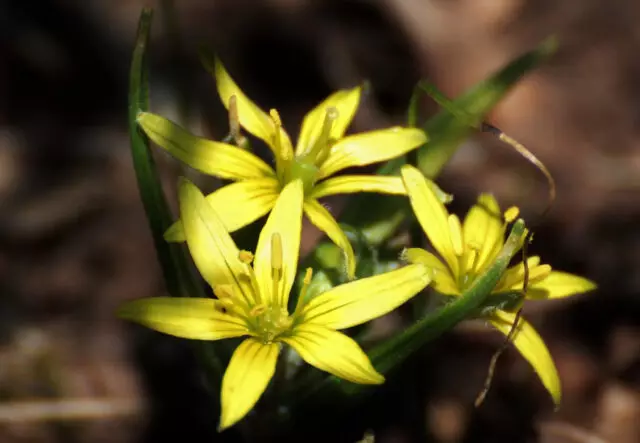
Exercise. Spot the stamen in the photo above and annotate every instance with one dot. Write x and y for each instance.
(456, 234)
(511, 214)
(539, 273)
(308, 275)
(234, 123)
(472, 258)
(318, 152)
(257, 310)
(232, 304)
(281, 154)
(276, 266)
(223, 291)
(245, 257)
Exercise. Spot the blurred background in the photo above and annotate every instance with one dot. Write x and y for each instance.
(74, 242)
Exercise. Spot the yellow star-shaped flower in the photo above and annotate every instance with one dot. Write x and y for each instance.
(252, 298)
(322, 151)
(468, 249)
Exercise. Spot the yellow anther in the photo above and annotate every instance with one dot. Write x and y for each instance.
(539, 273)
(276, 253)
(511, 214)
(245, 257)
(472, 257)
(257, 310)
(223, 291)
(455, 231)
(308, 275)
(275, 117)
(318, 152)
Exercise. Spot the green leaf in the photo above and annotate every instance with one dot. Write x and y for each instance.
(179, 276)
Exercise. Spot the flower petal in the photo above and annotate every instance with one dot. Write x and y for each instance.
(252, 366)
(443, 281)
(213, 250)
(238, 204)
(371, 147)
(431, 214)
(213, 158)
(345, 102)
(251, 117)
(192, 318)
(349, 184)
(362, 300)
(483, 230)
(533, 349)
(323, 220)
(560, 284)
(333, 352)
(286, 221)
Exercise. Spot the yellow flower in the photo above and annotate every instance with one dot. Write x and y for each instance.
(322, 151)
(252, 300)
(468, 249)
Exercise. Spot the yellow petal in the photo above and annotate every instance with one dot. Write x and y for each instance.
(285, 220)
(483, 230)
(560, 284)
(349, 184)
(212, 248)
(237, 205)
(251, 117)
(252, 366)
(333, 352)
(213, 158)
(362, 300)
(345, 102)
(513, 278)
(371, 147)
(533, 349)
(192, 318)
(324, 221)
(442, 280)
(431, 214)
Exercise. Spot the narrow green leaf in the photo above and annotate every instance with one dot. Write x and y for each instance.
(179, 277)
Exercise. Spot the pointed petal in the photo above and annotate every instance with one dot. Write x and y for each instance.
(560, 284)
(443, 281)
(533, 349)
(345, 102)
(323, 220)
(371, 147)
(238, 205)
(213, 250)
(349, 184)
(483, 229)
(333, 352)
(252, 366)
(213, 158)
(251, 117)
(192, 318)
(362, 300)
(431, 214)
(286, 220)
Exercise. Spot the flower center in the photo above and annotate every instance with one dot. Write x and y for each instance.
(270, 322)
(306, 165)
